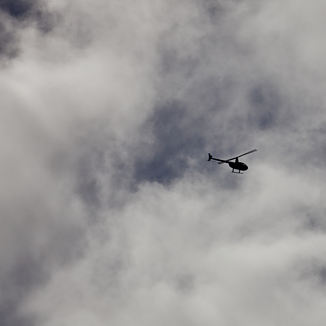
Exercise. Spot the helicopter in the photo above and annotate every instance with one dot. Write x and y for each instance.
(240, 166)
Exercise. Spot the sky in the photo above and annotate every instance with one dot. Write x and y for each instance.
(110, 212)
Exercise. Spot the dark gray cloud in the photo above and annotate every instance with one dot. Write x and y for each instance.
(26, 275)
(27, 10)
(266, 105)
(8, 42)
(18, 9)
(18, 15)
(87, 183)
(177, 138)
(9, 316)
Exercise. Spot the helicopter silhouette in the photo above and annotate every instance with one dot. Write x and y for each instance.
(236, 165)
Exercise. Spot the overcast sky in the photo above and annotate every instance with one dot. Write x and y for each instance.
(110, 212)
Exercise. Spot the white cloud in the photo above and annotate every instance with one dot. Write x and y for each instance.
(185, 255)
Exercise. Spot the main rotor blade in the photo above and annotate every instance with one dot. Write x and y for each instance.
(230, 159)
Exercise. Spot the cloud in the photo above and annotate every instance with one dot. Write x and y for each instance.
(18, 8)
(182, 255)
(15, 16)
(110, 212)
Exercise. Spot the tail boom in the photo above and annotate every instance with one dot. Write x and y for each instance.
(211, 158)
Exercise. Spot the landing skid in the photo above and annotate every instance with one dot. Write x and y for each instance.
(237, 172)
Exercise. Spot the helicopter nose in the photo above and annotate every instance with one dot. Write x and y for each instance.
(245, 167)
